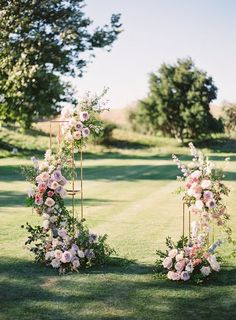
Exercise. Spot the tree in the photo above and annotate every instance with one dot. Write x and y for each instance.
(39, 42)
(229, 117)
(178, 102)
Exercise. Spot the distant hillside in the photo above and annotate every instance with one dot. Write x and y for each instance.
(117, 116)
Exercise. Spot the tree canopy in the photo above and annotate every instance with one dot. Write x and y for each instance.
(39, 42)
(178, 102)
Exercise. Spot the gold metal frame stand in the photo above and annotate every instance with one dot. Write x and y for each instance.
(73, 191)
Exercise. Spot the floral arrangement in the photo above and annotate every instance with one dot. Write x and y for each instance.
(204, 191)
(188, 262)
(61, 241)
(194, 258)
(79, 122)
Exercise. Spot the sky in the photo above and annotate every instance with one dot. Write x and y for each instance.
(157, 31)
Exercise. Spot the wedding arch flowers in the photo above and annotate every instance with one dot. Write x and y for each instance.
(81, 121)
(195, 258)
(62, 241)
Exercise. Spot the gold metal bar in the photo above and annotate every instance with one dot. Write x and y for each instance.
(50, 143)
(81, 185)
(189, 223)
(73, 183)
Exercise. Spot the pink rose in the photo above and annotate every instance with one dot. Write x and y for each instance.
(176, 276)
(38, 200)
(50, 193)
(42, 187)
(54, 185)
(170, 275)
(62, 233)
(199, 204)
(49, 202)
(58, 254)
(167, 263)
(44, 176)
(179, 266)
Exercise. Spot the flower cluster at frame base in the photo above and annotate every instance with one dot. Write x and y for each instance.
(61, 241)
(184, 261)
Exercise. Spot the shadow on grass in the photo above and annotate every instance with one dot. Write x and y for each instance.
(131, 292)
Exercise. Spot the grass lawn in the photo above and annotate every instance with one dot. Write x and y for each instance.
(128, 196)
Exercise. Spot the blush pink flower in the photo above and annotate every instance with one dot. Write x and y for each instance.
(42, 187)
(179, 266)
(167, 263)
(50, 193)
(77, 135)
(206, 183)
(38, 200)
(44, 176)
(176, 276)
(207, 195)
(172, 253)
(49, 202)
(58, 254)
(54, 185)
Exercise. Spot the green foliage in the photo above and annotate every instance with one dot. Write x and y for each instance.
(39, 42)
(105, 136)
(229, 117)
(178, 103)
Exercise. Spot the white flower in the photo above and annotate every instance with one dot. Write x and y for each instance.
(53, 219)
(214, 263)
(196, 174)
(31, 192)
(48, 255)
(206, 184)
(46, 224)
(179, 257)
(55, 263)
(43, 166)
(189, 267)
(46, 216)
(199, 204)
(205, 271)
(80, 254)
(75, 263)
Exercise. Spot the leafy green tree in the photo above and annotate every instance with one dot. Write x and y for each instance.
(178, 102)
(229, 117)
(39, 42)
